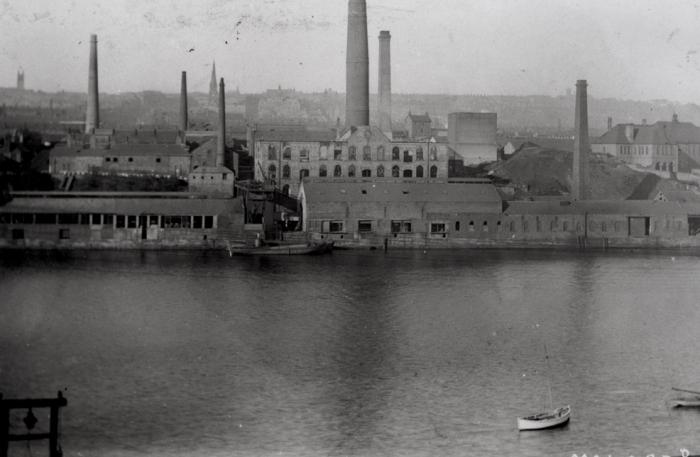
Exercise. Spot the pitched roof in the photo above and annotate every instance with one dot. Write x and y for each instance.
(170, 150)
(661, 132)
(419, 117)
(294, 134)
(118, 203)
(328, 191)
(616, 207)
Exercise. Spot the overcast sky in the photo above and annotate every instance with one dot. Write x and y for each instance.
(632, 49)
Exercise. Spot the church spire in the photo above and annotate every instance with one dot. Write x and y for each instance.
(213, 86)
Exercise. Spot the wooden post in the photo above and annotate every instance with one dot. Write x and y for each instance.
(4, 428)
(53, 428)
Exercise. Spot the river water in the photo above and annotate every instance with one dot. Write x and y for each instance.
(354, 353)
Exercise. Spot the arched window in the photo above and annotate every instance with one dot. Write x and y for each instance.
(433, 171)
(366, 173)
(286, 171)
(419, 171)
(408, 173)
(395, 171)
(303, 173)
(380, 153)
(285, 189)
(271, 152)
(351, 171)
(272, 172)
(419, 154)
(433, 153)
(322, 171)
(396, 153)
(287, 153)
(380, 171)
(338, 171)
(366, 153)
(352, 153)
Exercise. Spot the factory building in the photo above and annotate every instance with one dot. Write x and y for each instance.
(123, 220)
(286, 157)
(470, 213)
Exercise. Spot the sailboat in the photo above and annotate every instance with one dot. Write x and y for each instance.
(552, 418)
(693, 401)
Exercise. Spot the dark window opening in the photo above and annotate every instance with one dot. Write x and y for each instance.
(68, 218)
(157, 159)
(121, 221)
(208, 222)
(107, 219)
(457, 226)
(17, 234)
(45, 218)
(364, 226)
(438, 227)
(400, 226)
(198, 222)
(408, 173)
(64, 234)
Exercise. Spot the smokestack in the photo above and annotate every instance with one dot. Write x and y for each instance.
(92, 118)
(385, 82)
(610, 123)
(221, 143)
(357, 68)
(183, 104)
(581, 143)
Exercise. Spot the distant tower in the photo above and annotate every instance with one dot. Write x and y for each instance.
(92, 118)
(581, 143)
(221, 140)
(183, 104)
(384, 115)
(213, 94)
(20, 79)
(610, 123)
(357, 66)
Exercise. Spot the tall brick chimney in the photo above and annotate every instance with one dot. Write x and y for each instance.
(357, 66)
(184, 122)
(582, 148)
(92, 116)
(221, 143)
(384, 114)
(610, 123)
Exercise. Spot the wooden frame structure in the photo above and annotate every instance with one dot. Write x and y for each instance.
(53, 403)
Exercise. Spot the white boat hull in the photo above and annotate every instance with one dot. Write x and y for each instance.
(685, 403)
(542, 421)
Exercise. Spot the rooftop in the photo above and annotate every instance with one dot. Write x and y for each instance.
(327, 191)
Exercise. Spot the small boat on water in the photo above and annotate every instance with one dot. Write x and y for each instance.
(311, 248)
(686, 402)
(552, 418)
(542, 421)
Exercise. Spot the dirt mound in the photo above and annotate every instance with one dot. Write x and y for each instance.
(537, 171)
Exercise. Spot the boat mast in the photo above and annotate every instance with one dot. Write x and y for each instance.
(549, 382)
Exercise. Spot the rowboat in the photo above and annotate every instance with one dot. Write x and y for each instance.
(311, 248)
(542, 421)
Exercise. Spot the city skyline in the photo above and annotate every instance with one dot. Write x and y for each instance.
(630, 50)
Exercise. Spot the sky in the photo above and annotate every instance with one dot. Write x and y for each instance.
(628, 49)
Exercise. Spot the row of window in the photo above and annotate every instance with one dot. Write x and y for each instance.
(665, 149)
(115, 220)
(396, 155)
(405, 226)
(129, 159)
(352, 172)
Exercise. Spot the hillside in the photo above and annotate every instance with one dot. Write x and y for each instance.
(537, 171)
